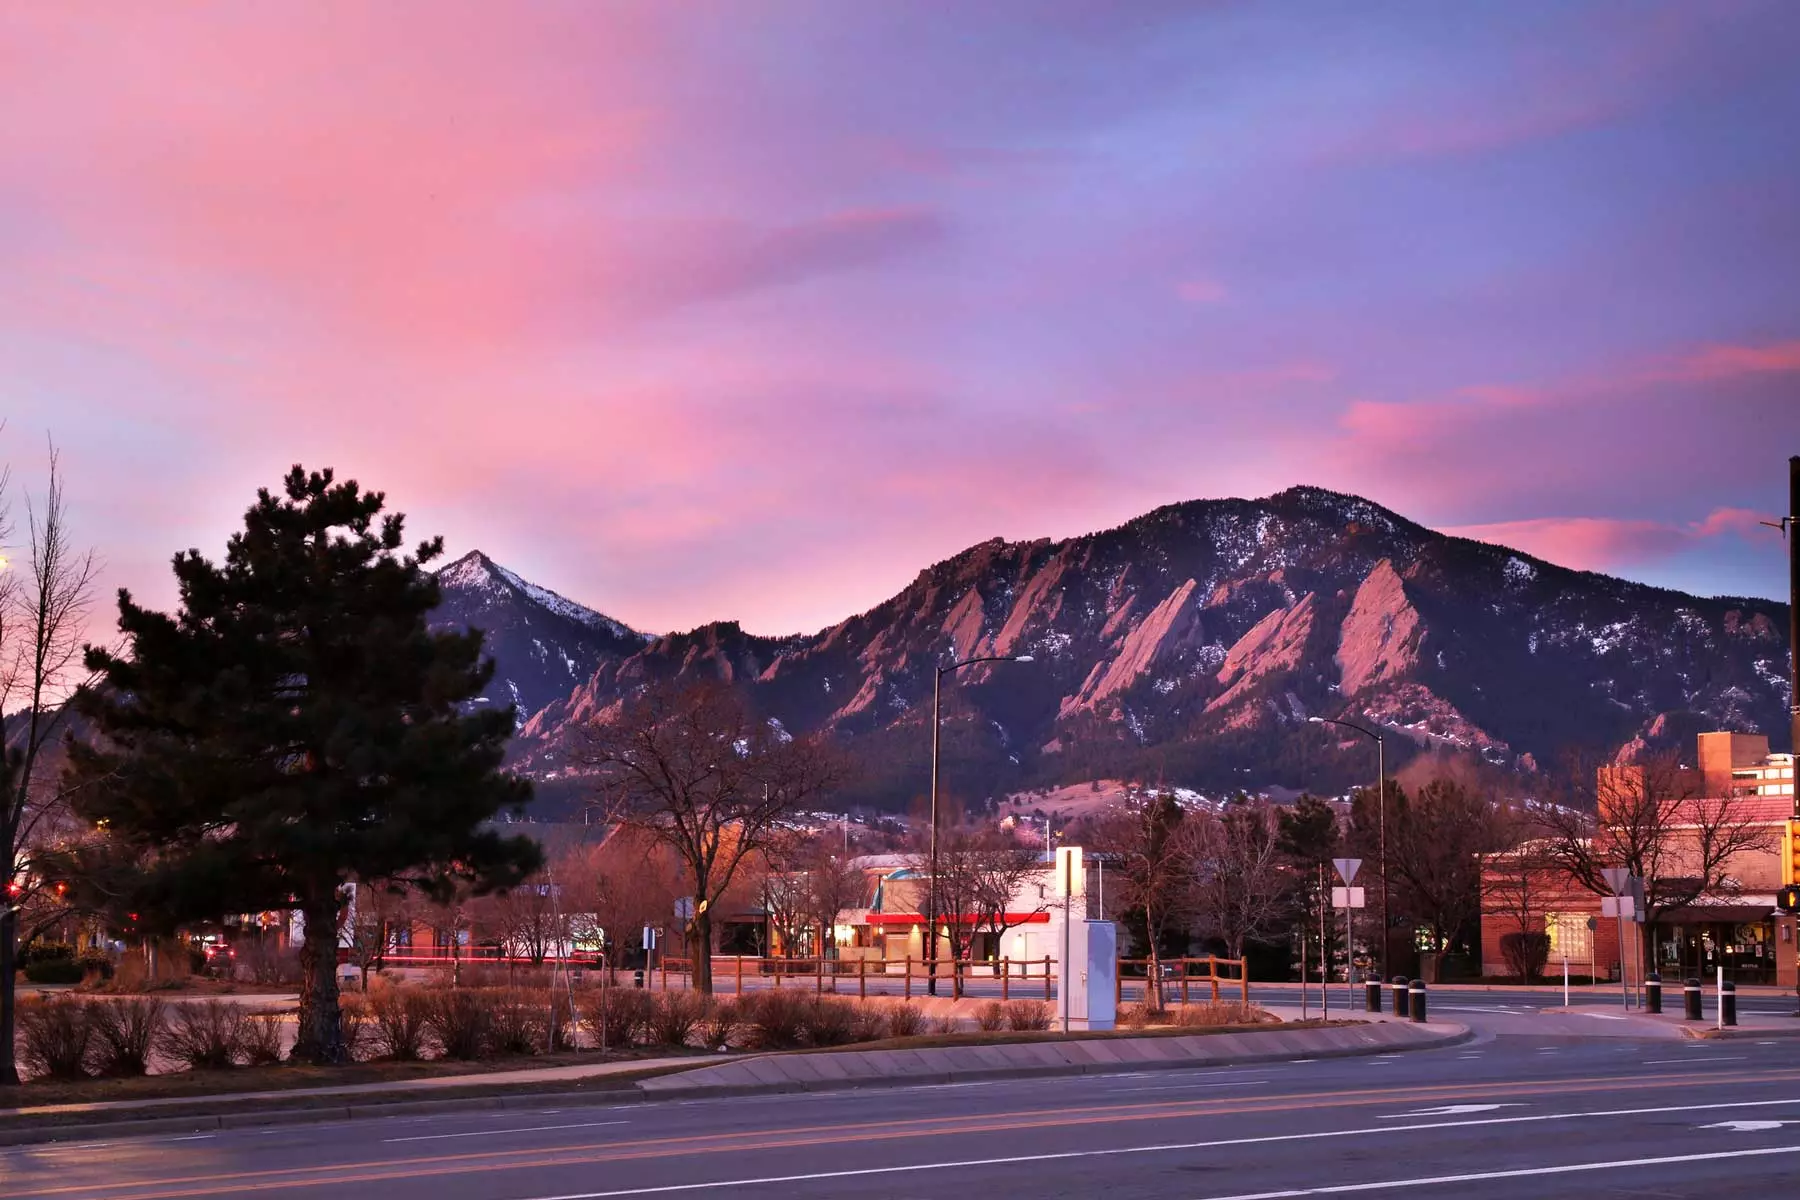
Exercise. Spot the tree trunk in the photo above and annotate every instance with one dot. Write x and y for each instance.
(700, 948)
(9, 966)
(321, 1035)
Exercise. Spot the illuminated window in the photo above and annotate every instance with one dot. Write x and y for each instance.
(1570, 936)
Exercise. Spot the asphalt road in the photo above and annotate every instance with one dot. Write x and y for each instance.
(1539, 1105)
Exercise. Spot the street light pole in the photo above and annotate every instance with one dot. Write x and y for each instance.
(1381, 820)
(931, 913)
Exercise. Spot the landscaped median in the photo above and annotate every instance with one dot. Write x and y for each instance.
(940, 1058)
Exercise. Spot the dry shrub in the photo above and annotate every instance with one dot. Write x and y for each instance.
(400, 1022)
(355, 1023)
(559, 1009)
(461, 1020)
(904, 1020)
(868, 1023)
(830, 1021)
(721, 1024)
(991, 1017)
(1027, 1015)
(675, 1016)
(266, 964)
(1193, 1016)
(615, 1017)
(777, 1019)
(519, 1021)
(54, 1036)
(129, 975)
(125, 1032)
(205, 1034)
(262, 1038)
(940, 1025)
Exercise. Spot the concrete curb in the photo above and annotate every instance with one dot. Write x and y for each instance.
(672, 1087)
(1738, 1032)
(1443, 1034)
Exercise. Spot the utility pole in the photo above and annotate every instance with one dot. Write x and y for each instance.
(1793, 531)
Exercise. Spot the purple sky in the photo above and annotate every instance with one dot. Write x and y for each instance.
(752, 309)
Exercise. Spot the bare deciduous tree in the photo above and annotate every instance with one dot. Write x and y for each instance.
(43, 603)
(1243, 892)
(1157, 846)
(695, 771)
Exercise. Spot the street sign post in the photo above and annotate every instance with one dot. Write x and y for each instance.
(1621, 904)
(1349, 899)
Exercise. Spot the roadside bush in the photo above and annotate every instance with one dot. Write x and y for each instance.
(358, 1031)
(867, 1023)
(54, 970)
(1225, 1012)
(904, 1020)
(205, 1034)
(125, 1032)
(991, 1017)
(54, 1036)
(776, 1020)
(399, 1023)
(1525, 954)
(830, 1022)
(96, 964)
(262, 1038)
(676, 1016)
(721, 1023)
(942, 1025)
(563, 1032)
(45, 952)
(1022, 1015)
(518, 1021)
(262, 962)
(615, 1017)
(461, 1020)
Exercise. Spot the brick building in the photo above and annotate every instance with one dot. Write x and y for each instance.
(1733, 925)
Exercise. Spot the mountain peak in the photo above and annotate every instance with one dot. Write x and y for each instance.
(476, 573)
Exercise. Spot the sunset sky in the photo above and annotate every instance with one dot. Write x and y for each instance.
(751, 310)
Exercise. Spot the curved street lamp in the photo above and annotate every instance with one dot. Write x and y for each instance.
(1381, 806)
(937, 689)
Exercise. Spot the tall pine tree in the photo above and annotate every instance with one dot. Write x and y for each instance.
(295, 725)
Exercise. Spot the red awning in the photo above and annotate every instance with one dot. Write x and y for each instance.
(1036, 918)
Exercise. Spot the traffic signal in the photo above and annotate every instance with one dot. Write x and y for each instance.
(1790, 852)
(1788, 898)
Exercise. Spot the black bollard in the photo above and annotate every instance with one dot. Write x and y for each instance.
(1400, 1006)
(1418, 1000)
(1728, 1003)
(1653, 992)
(637, 979)
(1690, 995)
(1372, 995)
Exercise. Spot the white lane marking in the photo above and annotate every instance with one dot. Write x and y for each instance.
(191, 1137)
(1601, 1016)
(1747, 1126)
(1296, 1061)
(914, 1168)
(1517, 1173)
(1181, 1087)
(432, 1137)
(1448, 1110)
(1663, 1062)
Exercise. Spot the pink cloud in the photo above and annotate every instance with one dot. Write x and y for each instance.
(1731, 362)
(1603, 543)
(1202, 291)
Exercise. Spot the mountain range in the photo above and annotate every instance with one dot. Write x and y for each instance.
(1189, 645)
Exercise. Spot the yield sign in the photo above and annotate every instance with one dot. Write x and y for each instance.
(1616, 878)
(1347, 868)
(1748, 1126)
(1448, 1110)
